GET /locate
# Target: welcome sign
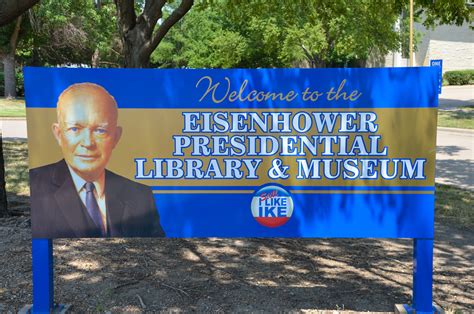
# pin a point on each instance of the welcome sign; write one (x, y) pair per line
(232, 153)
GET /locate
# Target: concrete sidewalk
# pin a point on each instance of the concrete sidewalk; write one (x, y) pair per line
(456, 96)
(455, 157)
(13, 128)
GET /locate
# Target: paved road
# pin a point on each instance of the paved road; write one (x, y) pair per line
(456, 96)
(454, 153)
(455, 157)
(14, 128)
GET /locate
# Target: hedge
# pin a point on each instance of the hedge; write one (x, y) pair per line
(19, 83)
(1, 85)
(462, 77)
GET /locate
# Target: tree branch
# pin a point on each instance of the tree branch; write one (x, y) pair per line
(11, 9)
(126, 14)
(163, 29)
(307, 53)
(15, 34)
(151, 13)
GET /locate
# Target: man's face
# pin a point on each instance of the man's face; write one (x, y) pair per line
(87, 129)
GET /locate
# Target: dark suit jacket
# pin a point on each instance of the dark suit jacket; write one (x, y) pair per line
(58, 212)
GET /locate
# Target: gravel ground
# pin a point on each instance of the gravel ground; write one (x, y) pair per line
(245, 275)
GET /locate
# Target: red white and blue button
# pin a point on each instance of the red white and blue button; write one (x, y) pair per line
(272, 206)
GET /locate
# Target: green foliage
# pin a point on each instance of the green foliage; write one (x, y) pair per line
(64, 32)
(200, 41)
(315, 33)
(20, 90)
(2, 84)
(305, 43)
(233, 33)
(443, 12)
(265, 37)
(70, 31)
(5, 34)
(19, 82)
(461, 77)
(356, 29)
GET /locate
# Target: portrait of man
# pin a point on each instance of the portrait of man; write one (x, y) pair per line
(77, 196)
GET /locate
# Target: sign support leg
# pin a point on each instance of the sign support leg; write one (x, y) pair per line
(43, 280)
(422, 302)
(423, 275)
(43, 284)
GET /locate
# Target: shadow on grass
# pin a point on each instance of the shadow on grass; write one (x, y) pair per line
(455, 205)
(459, 114)
(447, 103)
(462, 117)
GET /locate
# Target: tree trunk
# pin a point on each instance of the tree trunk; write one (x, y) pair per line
(95, 58)
(135, 54)
(3, 193)
(142, 34)
(10, 91)
(8, 59)
(135, 60)
(9, 75)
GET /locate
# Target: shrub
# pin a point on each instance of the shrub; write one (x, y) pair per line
(2, 89)
(20, 89)
(19, 83)
(462, 77)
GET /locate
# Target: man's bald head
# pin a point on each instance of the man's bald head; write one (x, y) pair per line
(87, 128)
(87, 94)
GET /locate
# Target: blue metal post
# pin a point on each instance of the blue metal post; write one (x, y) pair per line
(43, 287)
(423, 276)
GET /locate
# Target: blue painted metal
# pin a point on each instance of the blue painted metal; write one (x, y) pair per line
(396, 215)
(43, 288)
(423, 275)
(137, 88)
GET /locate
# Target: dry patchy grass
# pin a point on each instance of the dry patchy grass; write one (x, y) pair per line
(454, 204)
(12, 108)
(16, 176)
(462, 118)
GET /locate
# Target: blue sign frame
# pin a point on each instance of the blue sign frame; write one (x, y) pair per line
(414, 205)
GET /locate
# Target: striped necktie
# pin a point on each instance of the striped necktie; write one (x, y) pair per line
(93, 208)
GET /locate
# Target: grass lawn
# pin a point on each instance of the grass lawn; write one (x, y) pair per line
(453, 204)
(12, 108)
(462, 118)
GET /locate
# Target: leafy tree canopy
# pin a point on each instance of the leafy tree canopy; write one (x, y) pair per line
(70, 31)
(318, 33)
